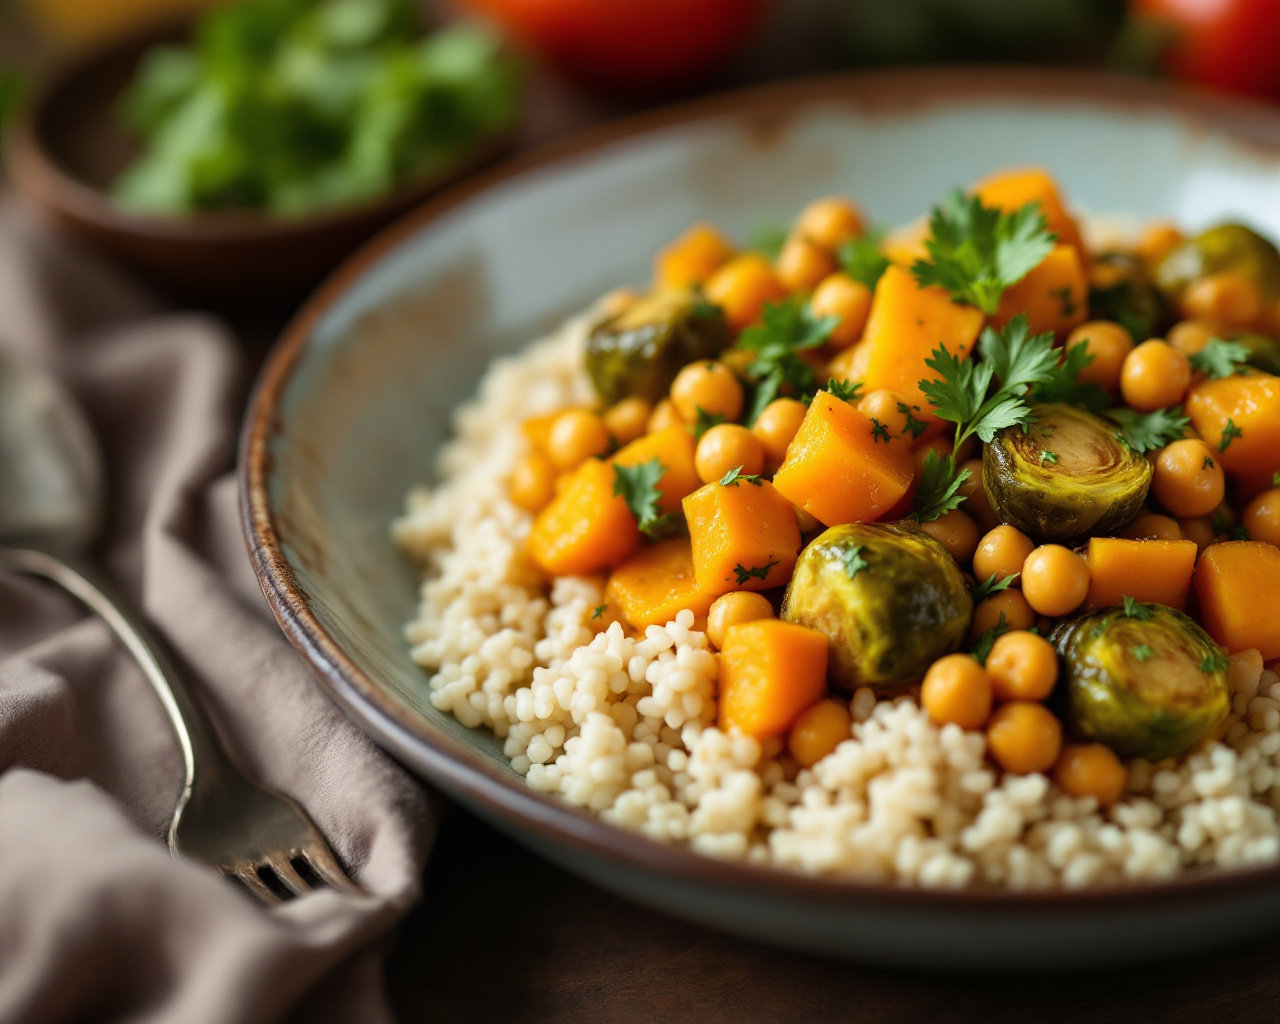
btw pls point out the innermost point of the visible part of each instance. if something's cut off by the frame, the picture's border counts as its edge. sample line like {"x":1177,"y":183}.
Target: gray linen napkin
{"x":97,"y":921}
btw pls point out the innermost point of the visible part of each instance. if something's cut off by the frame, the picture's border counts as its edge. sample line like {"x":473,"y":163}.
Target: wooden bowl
{"x":67,"y":146}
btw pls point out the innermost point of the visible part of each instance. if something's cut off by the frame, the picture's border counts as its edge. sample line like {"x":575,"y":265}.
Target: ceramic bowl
{"x":66,"y":147}
{"x":356,"y":398}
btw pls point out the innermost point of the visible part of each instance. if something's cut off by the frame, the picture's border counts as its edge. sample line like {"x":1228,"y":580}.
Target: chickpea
{"x":627,"y":420}
{"x":818,"y":731}
{"x":664,"y":415}
{"x":803,"y":263}
{"x":1227,"y":299}
{"x":887,"y":407}
{"x":776,"y":426}
{"x":734,"y":608}
{"x":1108,"y":343}
{"x":533,"y":482}
{"x":1009,"y":603}
{"x":576,"y":435}
{"x":957,"y":691}
{"x":1022,"y":666}
{"x":956,"y":532}
{"x":1024,"y":737}
{"x":1199,"y":529}
{"x":1262,"y":517}
{"x":1188,"y":480}
{"x":1191,"y":336}
{"x":1091,"y":769}
{"x":742,"y":287}
{"x":830,"y":222}
{"x":1154,"y":376}
{"x":1001,"y":552}
{"x":1153,"y":526}
{"x":847,"y":300}
{"x":708,"y":386}
{"x":691,"y":258}
{"x":1055,"y":580}
{"x":728,"y":446}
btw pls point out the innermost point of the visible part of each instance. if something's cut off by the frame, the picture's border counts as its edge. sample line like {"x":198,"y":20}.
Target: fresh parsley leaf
{"x":768,"y":239}
{"x":1136,"y":609}
{"x":1215,"y":662}
{"x":1143,"y":652}
{"x":1064,"y":384}
{"x":937,"y":491}
{"x":1208,"y":462}
{"x":991,"y":585}
{"x":1145,"y":432}
{"x":731,"y":478}
{"x":638,"y":487}
{"x":1047,"y":456}
{"x":845,"y":390}
{"x":879,"y":432}
{"x":853,"y":561}
{"x":786,"y":329}
{"x":1275,"y":479}
{"x":704,"y":421}
{"x":913,"y":425}
{"x":1221,"y":358}
{"x":982,"y":649}
{"x":977,"y":251}
{"x":1229,"y":433}
{"x":600,"y":610}
{"x":760,"y":572}
{"x":862,"y":260}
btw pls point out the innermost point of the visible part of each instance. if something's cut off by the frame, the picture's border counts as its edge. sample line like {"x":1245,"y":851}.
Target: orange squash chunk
{"x":674,"y":447}
{"x":837,"y":471}
{"x":1238,"y":587}
{"x":1252,"y":404}
{"x":691,"y":258}
{"x":585,"y":528}
{"x":1152,"y":571}
{"x":1054,"y":294}
{"x":905,"y":245}
{"x":744,"y":536}
{"x":906,"y":324}
{"x":770,"y":672}
{"x":655,"y":583}
{"x":1010,"y":190}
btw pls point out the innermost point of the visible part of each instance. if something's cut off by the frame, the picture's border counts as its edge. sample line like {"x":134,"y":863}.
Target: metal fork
{"x":245,"y":830}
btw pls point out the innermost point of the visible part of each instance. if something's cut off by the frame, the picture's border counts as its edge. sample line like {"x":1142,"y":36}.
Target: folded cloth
{"x":97,"y":920}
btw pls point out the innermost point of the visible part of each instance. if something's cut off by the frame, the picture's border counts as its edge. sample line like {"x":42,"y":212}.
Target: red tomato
{"x":1230,"y":44}
{"x":628,"y":44}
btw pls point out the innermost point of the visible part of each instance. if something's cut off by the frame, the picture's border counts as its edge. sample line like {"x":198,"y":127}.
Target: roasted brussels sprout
{"x":1129,"y":297}
{"x":640,"y":351}
{"x":1264,"y":351}
{"x":1065,"y":476}
{"x":1146,"y":680}
{"x":1227,"y":247}
{"x":888,"y":596}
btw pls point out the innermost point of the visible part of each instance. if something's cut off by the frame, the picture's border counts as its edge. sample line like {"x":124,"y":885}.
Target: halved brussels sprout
{"x":1227,"y":247}
{"x":1129,"y":297}
{"x":640,"y":351}
{"x":1264,"y":351}
{"x":889,"y":598}
{"x":1067,"y":475}
{"x":1148,"y":684}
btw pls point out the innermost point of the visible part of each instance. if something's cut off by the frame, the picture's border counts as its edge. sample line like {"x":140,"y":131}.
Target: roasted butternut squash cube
{"x":1238,"y":586}
{"x":1251,"y":403}
{"x":744,"y":536}
{"x":1054,"y":294}
{"x":586,"y":527}
{"x":656,"y":583}
{"x":1151,"y":571}
{"x":674,"y":447}
{"x":770,"y":672}
{"x":1009,"y":190}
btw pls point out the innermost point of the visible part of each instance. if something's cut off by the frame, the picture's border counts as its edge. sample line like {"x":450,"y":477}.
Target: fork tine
{"x":249,"y":876}
{"x":289,"y":878}
{"x":326,"y":867}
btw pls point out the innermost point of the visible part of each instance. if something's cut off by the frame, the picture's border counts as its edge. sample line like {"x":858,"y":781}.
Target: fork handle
{"x":196,"y":737}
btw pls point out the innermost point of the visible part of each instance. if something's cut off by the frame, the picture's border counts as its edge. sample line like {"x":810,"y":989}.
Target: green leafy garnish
{"x":937,"y":491}
{"x":982,"y":649}
{"x":786,"y":329}
{"x":1143,"y":652}
{"x":1136,"y":609}
{"x":854,"y":563}
{"x":1222,"y":526}
{"x":768,"y":239}
{"x":638,"y":487}
{"x":1215,"y":662}
{"x":1229,"y":433}
{"x":845,"y":390}
{"x":1145,"y":432}
{"x":879,"y":432}
{"x":760,"y":572}
{"x":704,"y":421}
{"x":1275,"y":479}
{"x":991,"y":585}
{"x":862,"y":260}
{"x":1047,"y":456}
{"x":1221,"y":358}
{"x":731,"y":478}
{"x":977,"y":251}
{"x":1064,"y":385}
{"x":1208,"y":462}
{"x":913,"y":425}
{"x":600,"y":610}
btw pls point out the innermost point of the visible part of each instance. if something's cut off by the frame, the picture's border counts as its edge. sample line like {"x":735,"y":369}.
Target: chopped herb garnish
{"x":853,"y":561}
{"x":913,"y":425}
{"x":600,"y":610}
{"x":1145,"y":432}
{"x":1064,"y":384}
{"x":1215,"y":662}
{"x":1275,"y":479}
{"x":1229,"y":433}
{"x":1136,"y":609}
{"x":862,"y":260}
{"x":977,"y":251}
{"x":638,"y":487}
{"x":937,"y":491}
{"x":1222,"y":526}
{"x":879,"y":432}
{"x":704,"y":421}
{"x":991,"y":585}
{"x":1221,"y":358}
{"x":845,"y":390}
{"x":1047,"y":456}
{"x":1143,"y":652}
{"x":786,"y":329}
{"x":760,"y":572}
{"x":1066,"y":300}
{"x":982,"y":649}
{"x":1208,"y":462}
{"x":731,"y":478}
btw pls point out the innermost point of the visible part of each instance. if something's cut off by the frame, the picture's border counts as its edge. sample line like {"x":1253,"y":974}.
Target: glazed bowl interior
{"x":355,"y":403}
